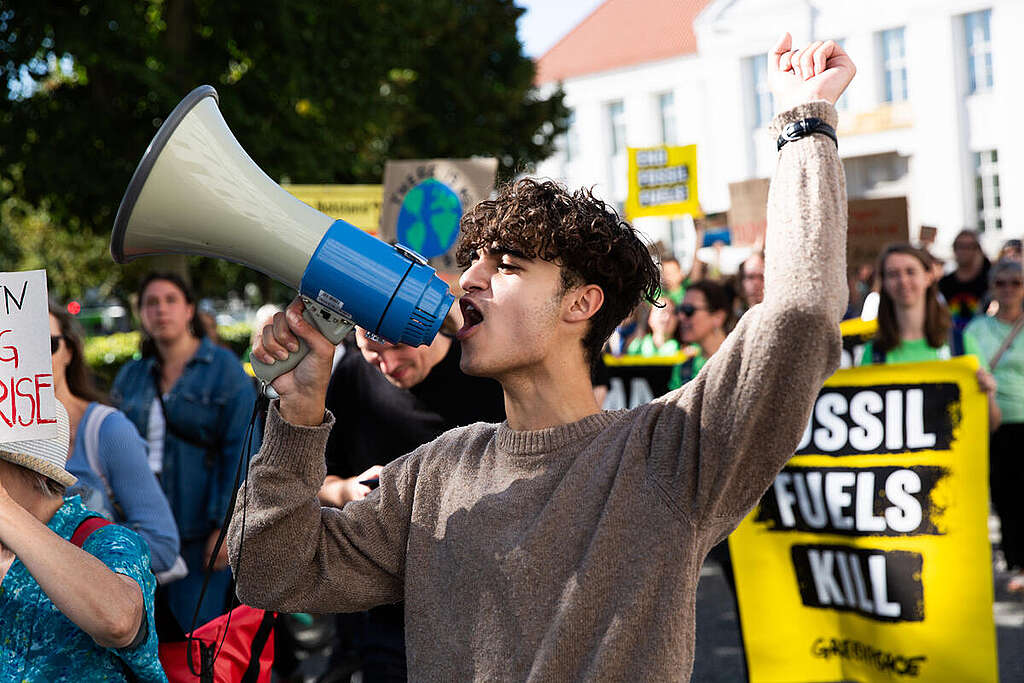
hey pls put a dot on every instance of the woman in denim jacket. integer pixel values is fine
(195, 428)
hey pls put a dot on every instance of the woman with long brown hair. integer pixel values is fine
(107, 454)
(913, 325)
(191, 401)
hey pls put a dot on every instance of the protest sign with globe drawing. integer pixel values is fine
(424, 201)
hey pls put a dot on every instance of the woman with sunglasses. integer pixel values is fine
(191, 401)
(120, 485)
(703, 319)
(1006, 466)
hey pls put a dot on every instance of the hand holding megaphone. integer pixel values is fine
(196, 191)
(294, 349)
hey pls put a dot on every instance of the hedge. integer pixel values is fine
(106, 355)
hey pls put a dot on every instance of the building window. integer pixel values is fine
(877, 175)
(617, 126)
(667, 115)
(986, 185)
(894, 65)
(764, 107)
(979, 50)
(572, 140)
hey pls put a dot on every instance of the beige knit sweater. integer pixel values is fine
(570, 553)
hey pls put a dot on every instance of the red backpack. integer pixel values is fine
(245, 655)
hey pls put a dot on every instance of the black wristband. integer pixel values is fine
(803, 128)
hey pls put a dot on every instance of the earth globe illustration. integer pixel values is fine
(428, 221)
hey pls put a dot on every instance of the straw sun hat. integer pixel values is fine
(45, 456)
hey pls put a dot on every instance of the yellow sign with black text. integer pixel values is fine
(868, 558)
(356, 204)
(662, 182)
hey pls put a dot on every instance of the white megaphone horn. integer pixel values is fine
(196, 191)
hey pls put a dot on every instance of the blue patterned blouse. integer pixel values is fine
(39, 643)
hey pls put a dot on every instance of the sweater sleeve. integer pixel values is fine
(136, 489)
(717, 443)
(296, 556)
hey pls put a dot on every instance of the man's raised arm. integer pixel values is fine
(742, 416)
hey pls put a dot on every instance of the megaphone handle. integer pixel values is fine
(332, 326)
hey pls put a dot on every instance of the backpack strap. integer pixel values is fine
(998, 355)
(91, 438)
(85, 529)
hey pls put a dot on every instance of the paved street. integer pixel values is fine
(719, 657)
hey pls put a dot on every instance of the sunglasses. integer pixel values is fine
(688, 309)
(1009, 283)
(55, 343)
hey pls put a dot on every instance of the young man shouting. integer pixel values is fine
(565, 543)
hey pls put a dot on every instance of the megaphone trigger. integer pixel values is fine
(330, 324)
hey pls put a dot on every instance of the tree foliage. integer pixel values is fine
(316, 93)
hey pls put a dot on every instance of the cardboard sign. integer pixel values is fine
(357, 204)
(27, 403)
(662, 182)
(873, 224)
(868, 558)
(748, 211)
(424, 202)
(927, 234)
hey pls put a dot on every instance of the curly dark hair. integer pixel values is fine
(581, 234)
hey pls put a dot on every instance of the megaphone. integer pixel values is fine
(196, 191)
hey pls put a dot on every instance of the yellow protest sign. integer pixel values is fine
(357, 204)
(662, 182)
(868, 558)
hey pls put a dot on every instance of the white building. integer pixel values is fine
(930, 116)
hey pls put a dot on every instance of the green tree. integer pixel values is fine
(315, 92)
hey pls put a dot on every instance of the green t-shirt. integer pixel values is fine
(644, 346)
(684, 372)
(918, 351)
(988, 334)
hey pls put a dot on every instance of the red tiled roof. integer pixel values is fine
(622, 33)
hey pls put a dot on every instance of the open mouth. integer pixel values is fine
(471, 317)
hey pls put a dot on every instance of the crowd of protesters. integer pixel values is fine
(162, 461)
(922, 314)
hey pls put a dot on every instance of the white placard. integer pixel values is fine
(27, 403)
